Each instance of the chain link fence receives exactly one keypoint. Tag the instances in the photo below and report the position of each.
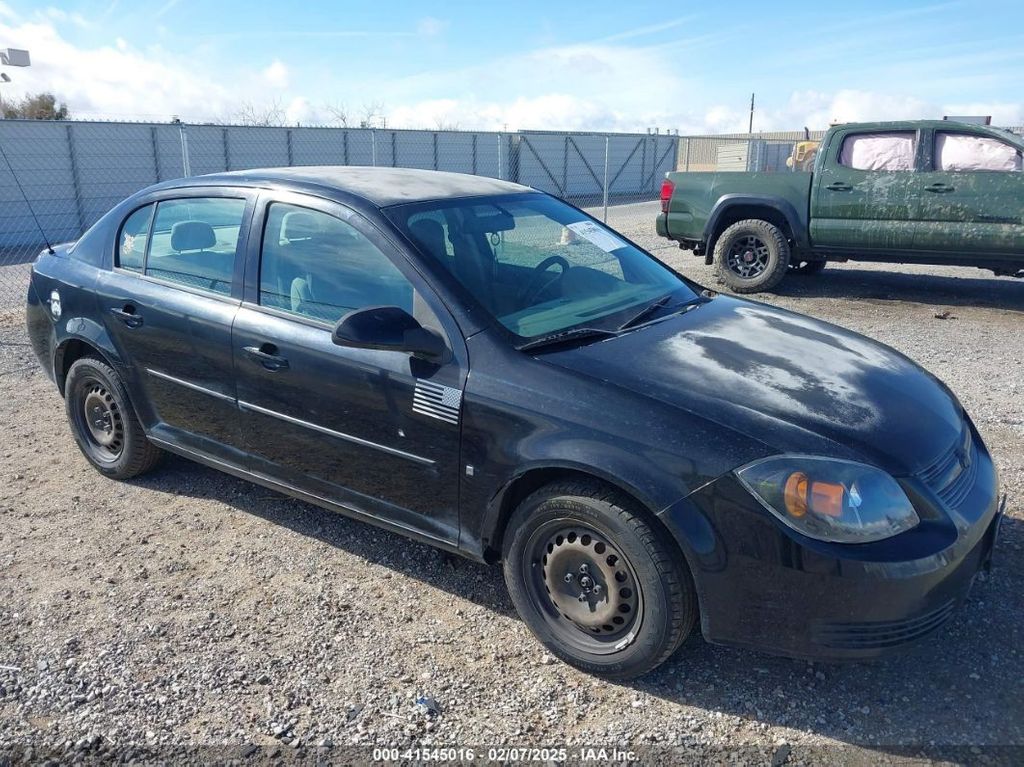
(71, 173)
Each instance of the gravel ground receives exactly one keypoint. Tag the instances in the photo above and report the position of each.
(188, 607)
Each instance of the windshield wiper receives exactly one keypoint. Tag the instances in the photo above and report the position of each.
(564, 337)
(644, 313)
(650, 309)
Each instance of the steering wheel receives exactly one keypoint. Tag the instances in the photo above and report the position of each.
(536, 283)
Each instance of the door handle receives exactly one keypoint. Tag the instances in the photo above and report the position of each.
(839, 186)
(938, 188)
(267, 356)
(127, 315)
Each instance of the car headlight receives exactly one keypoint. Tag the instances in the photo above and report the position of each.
(830, 499)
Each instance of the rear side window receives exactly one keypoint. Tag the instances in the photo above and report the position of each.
(193, 242)
(131, 243)
(963, 152)
(318, 266)
(879, 151)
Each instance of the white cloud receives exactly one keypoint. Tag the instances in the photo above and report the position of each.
(301, 112)
(65, 17)
(111, 81)
(593, 86)
(276, 75)
(430, 27)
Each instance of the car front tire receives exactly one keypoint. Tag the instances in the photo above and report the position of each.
(595, 582)
(103, 421)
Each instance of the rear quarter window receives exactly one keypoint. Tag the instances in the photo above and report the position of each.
(132, 239)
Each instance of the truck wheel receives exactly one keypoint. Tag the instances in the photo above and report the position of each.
(806, 267)
(595, 582)
(751, 256)
(103, 421)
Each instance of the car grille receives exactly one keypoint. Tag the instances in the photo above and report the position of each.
(881, 634)
(953, 474)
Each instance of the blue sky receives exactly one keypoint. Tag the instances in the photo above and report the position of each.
(565, 65)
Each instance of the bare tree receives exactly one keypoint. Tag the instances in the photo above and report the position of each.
(371, 112)
(339, 112)
(266, 115)
(442, 123)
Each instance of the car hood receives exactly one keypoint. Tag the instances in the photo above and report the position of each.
(791, 382)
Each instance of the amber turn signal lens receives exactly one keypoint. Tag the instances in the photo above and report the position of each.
(827, 498)
(795, 494)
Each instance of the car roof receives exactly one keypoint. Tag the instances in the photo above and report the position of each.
(379, 186)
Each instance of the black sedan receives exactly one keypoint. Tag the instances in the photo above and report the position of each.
(483, 367)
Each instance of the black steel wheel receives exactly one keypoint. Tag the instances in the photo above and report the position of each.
(103, 422)
(596, 582)
(751, 256)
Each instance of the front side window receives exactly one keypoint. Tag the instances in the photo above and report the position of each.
(131, 243)
(964, 152)
(879, 151)
(537, 265)
(193, 242)
(316, 265)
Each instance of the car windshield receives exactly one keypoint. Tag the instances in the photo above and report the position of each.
(540, 266)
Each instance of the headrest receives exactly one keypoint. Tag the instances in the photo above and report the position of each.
(430, 235)
(192, 235)
(299, 226)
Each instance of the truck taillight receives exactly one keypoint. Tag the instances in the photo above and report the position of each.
(667, 187)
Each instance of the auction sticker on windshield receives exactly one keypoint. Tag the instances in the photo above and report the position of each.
(604, 239)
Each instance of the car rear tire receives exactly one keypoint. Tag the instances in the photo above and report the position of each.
(808, 268)
(595, 582)
(751, 256)
(103, 421)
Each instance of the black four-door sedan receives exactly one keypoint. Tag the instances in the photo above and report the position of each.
(487, 369)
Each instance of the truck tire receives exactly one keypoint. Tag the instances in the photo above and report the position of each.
(751, 256)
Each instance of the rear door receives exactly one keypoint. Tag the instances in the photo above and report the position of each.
(864, 196)
(168, 304)
(374, 431)
(972, 196)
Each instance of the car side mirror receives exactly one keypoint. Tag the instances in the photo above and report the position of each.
(389, 328)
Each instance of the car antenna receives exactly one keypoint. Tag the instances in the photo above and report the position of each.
(49, 247)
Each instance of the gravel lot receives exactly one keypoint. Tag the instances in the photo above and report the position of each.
(188, 607)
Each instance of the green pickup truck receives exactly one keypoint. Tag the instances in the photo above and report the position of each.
(924, 192)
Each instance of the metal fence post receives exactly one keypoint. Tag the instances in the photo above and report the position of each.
(607, 142)
(687, 153)
(75, 179)
(499, 157)
(156, 152)
(373, 148)
(227, 152)
(291, 157)
(186, 167)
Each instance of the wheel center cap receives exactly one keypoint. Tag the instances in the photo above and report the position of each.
(748, 256)
(586, 583)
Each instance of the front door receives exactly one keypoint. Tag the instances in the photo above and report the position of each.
(972, 197)
(864, 196)
(168, 304)
(374, 431)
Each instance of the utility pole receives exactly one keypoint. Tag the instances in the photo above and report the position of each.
(750, 127)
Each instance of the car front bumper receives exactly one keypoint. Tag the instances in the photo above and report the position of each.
(763, 586)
